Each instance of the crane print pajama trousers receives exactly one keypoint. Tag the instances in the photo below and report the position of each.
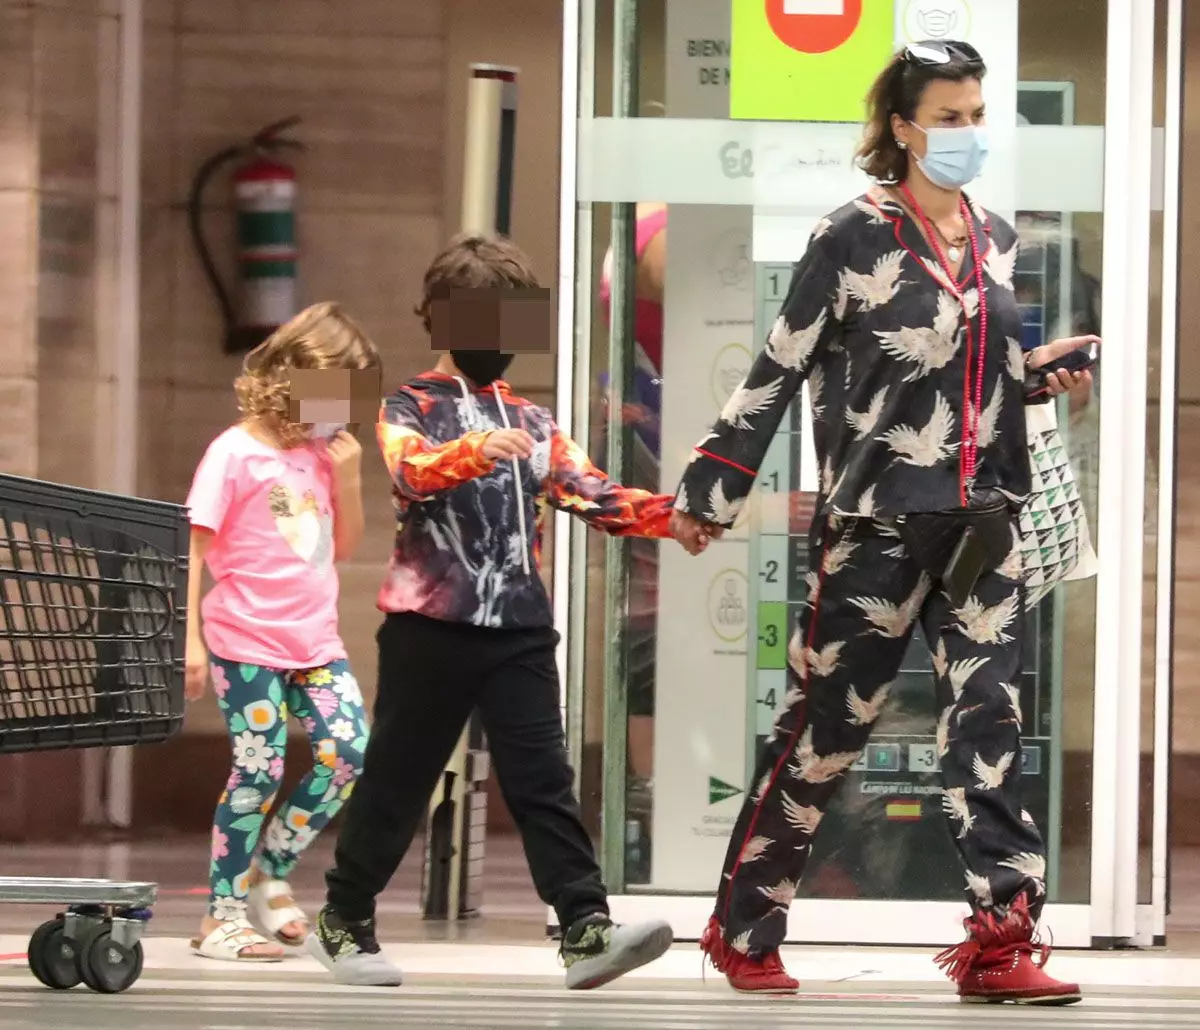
(865, 597)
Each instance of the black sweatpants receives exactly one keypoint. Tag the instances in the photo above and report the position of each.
(432, 674)
(866, 596)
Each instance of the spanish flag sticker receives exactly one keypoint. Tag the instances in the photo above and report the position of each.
(904, 811)
(807, 60)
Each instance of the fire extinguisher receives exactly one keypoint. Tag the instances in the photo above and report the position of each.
(264, 187)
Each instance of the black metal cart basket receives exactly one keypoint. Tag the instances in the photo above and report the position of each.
(93, 618)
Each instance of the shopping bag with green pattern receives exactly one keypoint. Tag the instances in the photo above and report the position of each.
(1055, 542)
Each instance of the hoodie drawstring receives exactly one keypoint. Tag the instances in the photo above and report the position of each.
(516, 479)
(516, 465)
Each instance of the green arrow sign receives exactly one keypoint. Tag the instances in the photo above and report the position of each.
(719, 790)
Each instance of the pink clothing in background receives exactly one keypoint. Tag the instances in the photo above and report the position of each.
(274, 602)
(648, 314)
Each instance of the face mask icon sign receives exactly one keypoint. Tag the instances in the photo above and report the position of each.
(937, 22)
(814, 26)
(937, 19)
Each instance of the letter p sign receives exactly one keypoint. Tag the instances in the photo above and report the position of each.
(814, 26)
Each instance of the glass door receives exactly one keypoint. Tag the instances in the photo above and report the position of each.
(678, 243)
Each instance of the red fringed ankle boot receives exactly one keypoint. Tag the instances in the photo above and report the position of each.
(762, 975)
(1000, 961)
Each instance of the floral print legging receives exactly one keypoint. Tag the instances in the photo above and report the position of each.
(256, 702)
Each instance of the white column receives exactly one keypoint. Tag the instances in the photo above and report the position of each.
(1168, 388)
(573, 367)
(564, 403)
(1124, 320)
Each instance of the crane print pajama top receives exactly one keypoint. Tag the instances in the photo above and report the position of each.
(871, 322)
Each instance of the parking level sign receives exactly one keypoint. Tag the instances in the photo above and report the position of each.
(807, 60)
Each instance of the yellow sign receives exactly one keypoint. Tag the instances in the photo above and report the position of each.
(807, 60)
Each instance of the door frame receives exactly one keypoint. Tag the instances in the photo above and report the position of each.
(1113, 916)
(1153, 930)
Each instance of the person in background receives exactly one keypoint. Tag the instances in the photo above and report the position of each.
(643, 411)
(468, 625)
(901, 317)
(275, 503)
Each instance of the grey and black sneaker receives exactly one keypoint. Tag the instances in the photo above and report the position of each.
(596, 951)
(351, 952)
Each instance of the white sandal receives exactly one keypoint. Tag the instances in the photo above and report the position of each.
(272, 906)
(229, 942)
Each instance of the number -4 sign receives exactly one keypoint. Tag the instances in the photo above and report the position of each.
(772, 690)
(807, 60)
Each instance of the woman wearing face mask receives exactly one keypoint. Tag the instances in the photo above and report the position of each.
(901, 316)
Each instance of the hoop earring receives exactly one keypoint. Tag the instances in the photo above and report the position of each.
(901, 144)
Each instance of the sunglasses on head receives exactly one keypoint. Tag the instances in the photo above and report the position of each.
(930, 52)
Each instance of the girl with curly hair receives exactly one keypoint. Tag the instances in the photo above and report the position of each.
(275, 503)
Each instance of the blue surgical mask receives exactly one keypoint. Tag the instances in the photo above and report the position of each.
(954, 157)
(326, 430)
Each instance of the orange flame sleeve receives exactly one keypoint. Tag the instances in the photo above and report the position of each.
(420, 469)
(577, 487)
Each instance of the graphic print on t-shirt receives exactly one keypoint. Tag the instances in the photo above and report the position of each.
(307, 530)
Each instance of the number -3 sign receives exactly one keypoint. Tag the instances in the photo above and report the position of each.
(772, 634)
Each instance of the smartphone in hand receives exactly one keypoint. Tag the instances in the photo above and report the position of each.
(1079, 360)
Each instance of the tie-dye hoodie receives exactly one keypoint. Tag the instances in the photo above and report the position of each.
(469, 531)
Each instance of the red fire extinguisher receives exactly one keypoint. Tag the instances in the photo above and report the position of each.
(264, 187)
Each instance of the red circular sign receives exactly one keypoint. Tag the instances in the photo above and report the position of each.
(813, 33)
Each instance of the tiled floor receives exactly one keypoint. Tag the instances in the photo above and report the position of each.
(512, 910)
(504, 985)
(175, 1003)
(180, 867)
(499, 971)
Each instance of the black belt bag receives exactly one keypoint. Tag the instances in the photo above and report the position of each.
(957, 547)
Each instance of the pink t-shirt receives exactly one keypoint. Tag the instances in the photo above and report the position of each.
(274, 602)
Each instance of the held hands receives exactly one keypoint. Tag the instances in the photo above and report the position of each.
(345, 455)
(195, 677)
(1062, 381)
(503, 444)
(692, 533)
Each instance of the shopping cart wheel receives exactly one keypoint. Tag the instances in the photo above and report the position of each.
(52, 957)
(106, 965)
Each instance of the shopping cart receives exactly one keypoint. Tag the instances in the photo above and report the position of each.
(93, 609)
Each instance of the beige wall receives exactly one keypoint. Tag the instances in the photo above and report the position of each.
(57, 220)
(380, 85)
(58, 104)
(528, 35)
(18, 229)
(1186, 712)
(368, 79)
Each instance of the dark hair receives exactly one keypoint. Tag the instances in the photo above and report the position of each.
(898, 90)
(472, 261)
